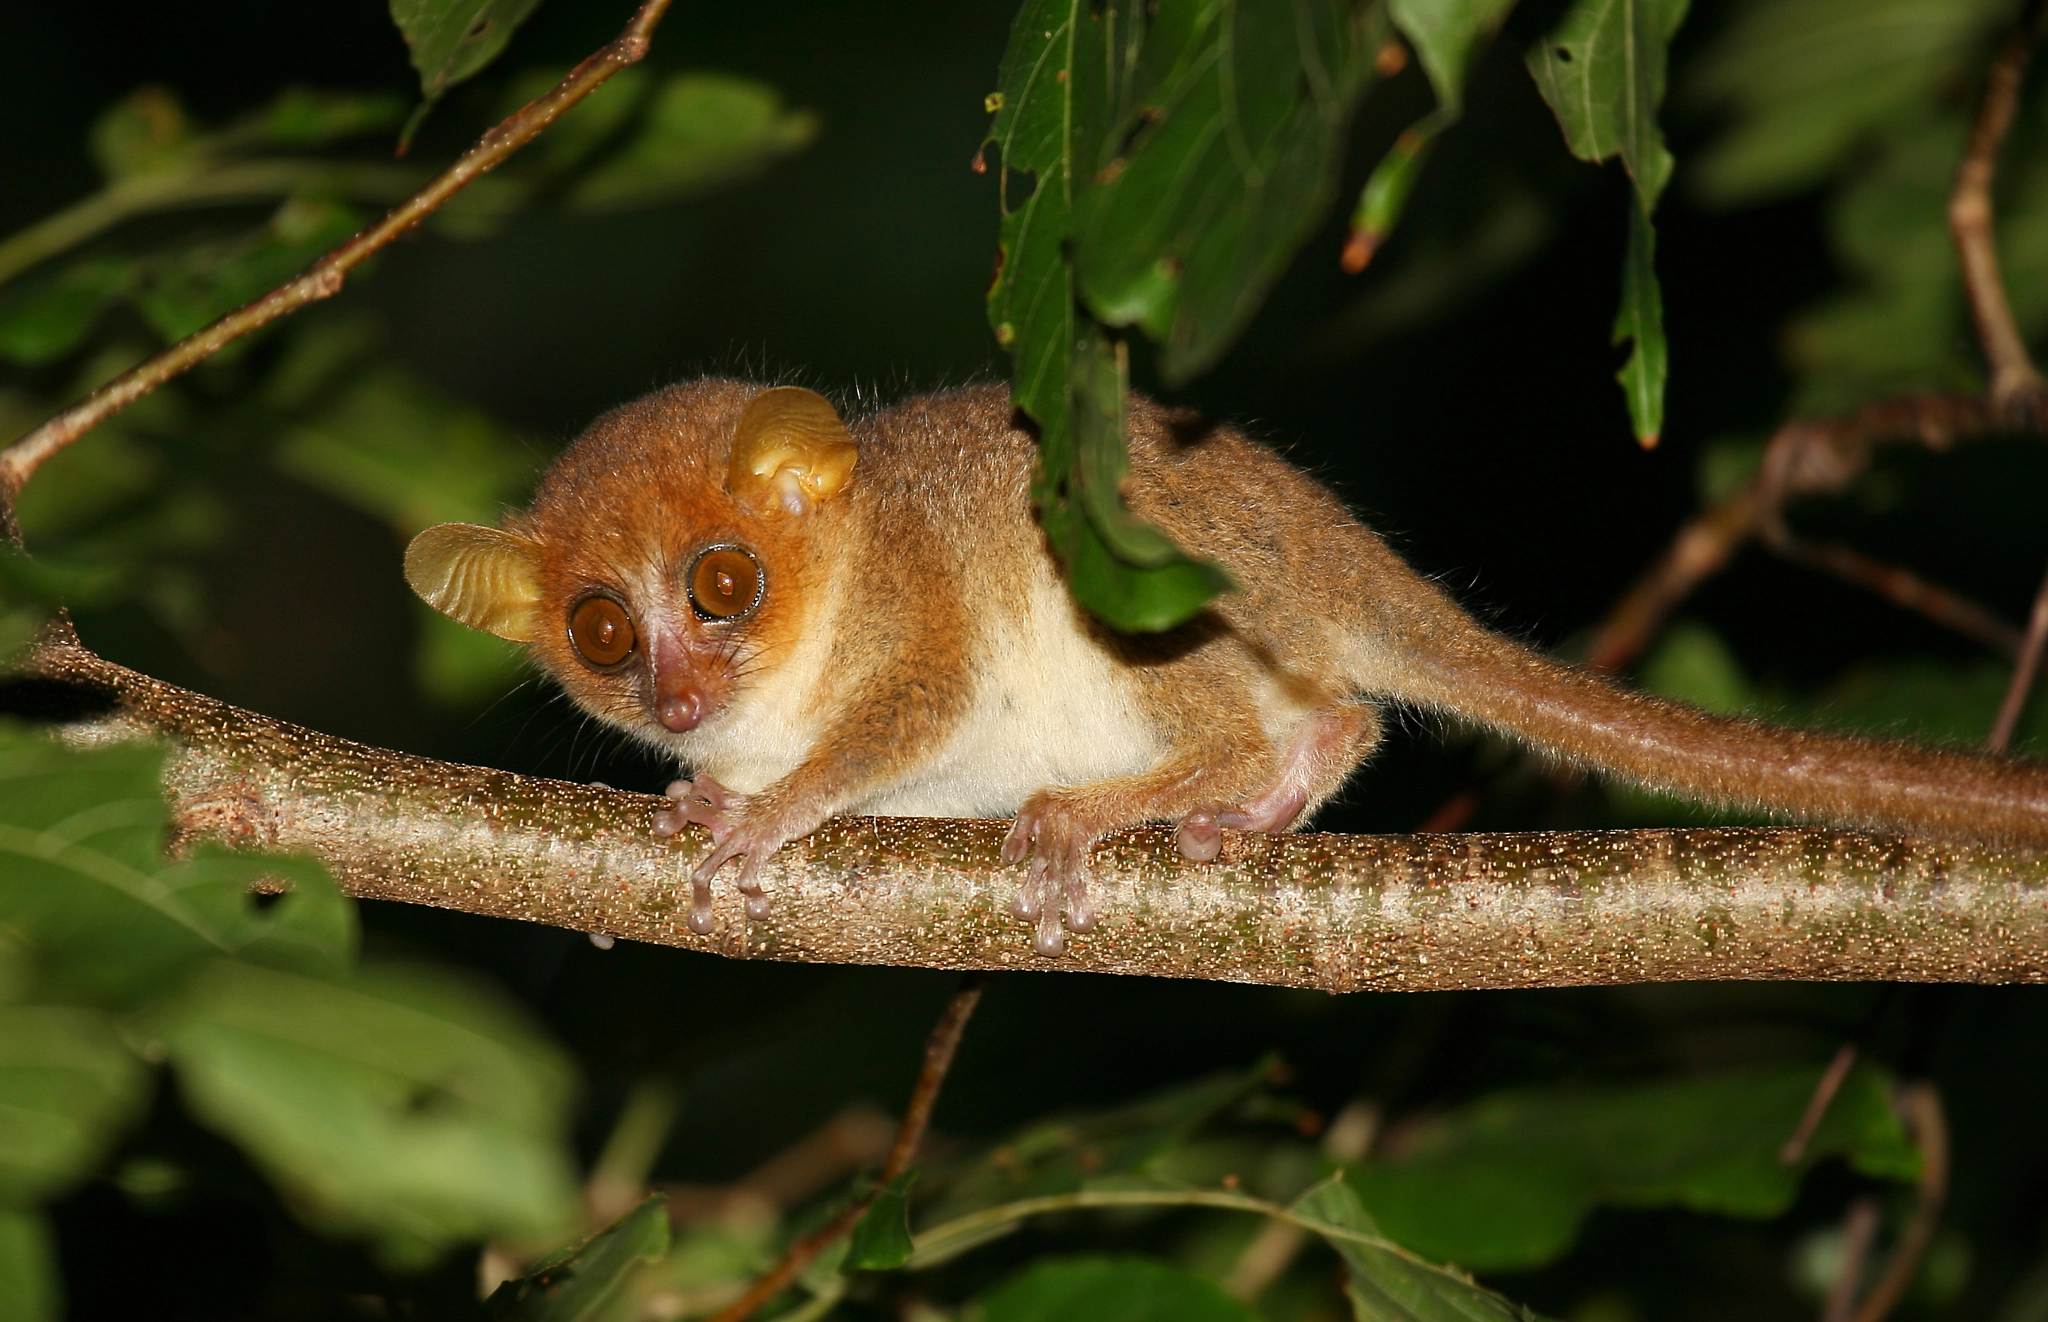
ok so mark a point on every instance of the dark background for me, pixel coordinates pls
(1488, 440)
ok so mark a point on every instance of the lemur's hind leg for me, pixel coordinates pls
(1331, 741)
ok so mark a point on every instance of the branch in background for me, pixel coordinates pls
(1902, 587)
(1859, 1233)
(1338, 913)
(917, 1114)
(325, 277)
(2024, 672)
(2016, 388)
(1808, 457)
(1831, 1080)
(1920, 1103)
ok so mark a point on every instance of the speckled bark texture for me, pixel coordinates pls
(1341, 913)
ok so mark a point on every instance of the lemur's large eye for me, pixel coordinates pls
(725, 583)
(601, 631)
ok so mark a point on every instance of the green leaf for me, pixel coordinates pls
(1936, 702)
(1602, 71)
(881, 1238)
(1639, 323)
(580, 1282)
(460, 667)
(68, 1087)
(401, 1105)
(42, 319)
(1692, 664)
(210, 280)
(453, 39)
(29, 1286)
(395, 449)
(1385, 1284)
(145, 132)
(107, 918)
(300, 118)
(1061, 1155)
(1109, 1289)
(1804, 85)
(700, 132)
(1062, 79)
(1234, 122)
(1504, 1183)
(1444, 33)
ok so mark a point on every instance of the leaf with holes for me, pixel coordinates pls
(1220, 159)
(452, 39)
(1066, 73)
(401, 1105)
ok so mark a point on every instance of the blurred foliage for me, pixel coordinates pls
(1161, 167)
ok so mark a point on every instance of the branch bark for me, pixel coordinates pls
(1338, 913)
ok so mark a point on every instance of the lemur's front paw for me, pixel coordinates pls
(707, 803)
(702, 801)
(1056, 839)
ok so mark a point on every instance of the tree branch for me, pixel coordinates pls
(1339, 913)
(2025, 670)
(325, 277)
(2016, 388)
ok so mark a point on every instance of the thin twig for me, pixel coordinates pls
(1805, 457)
(1903, 588)
(2024, 672)
(938, 1058)
(2016, 387)
(1859, 1232)
(1921, 1105)
(1831, 1080)
(325, 277)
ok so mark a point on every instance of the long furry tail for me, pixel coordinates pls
(1584, 719)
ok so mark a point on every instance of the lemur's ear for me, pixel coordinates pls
(487, 579)
(790, 452)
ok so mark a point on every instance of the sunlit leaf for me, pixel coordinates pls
(581, 1282)
(1109, 1289)
(881, 1238)
(1806, 83)
(29, 1288)
(44, 317)
(1387, 1285)
(452, 39)
(1505, 1182)
(397, 1105)
(67, 1088)
(84, 882)
(699, 132)
(145, 132)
